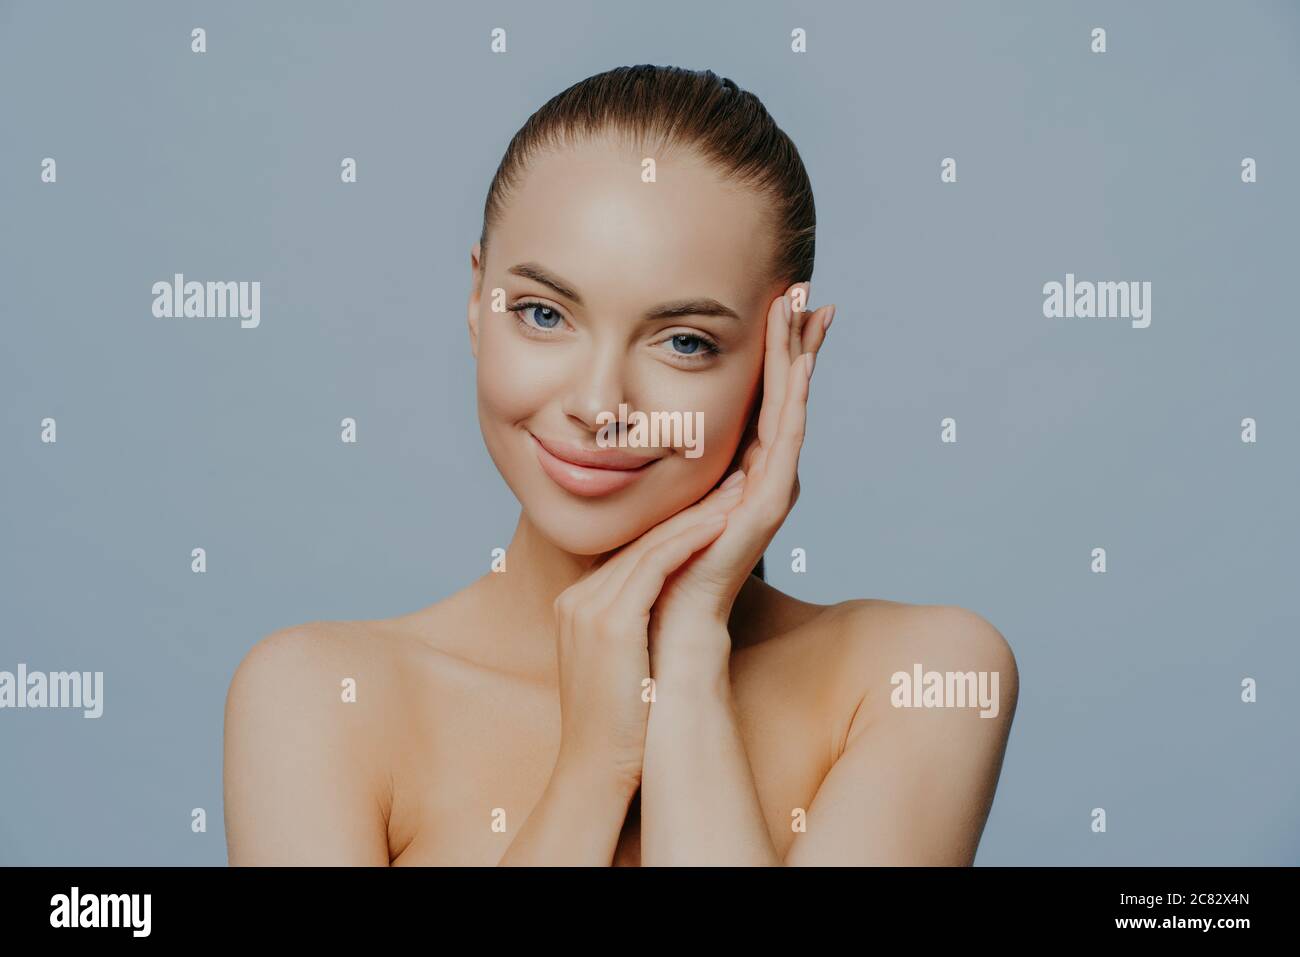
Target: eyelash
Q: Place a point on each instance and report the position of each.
(708, 347)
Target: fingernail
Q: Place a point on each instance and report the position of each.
(733, 480)
(811, 358)
(826, 323)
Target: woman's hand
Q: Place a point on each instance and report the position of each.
(603, 631)
(697, 601)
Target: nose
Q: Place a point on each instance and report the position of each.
(598, 384)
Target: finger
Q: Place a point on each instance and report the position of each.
(798, 319)
(781, 463)
(814, 330)
(771, 481)
(776, 362)
(615, 572)
(641, 589)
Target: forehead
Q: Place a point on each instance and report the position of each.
(584, 213)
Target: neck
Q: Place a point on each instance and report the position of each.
(537, 569)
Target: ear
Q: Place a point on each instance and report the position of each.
(475, 291)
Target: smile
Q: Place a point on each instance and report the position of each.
(589, 472)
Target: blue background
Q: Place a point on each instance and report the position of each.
(1072, 434)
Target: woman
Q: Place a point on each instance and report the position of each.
(621, 689)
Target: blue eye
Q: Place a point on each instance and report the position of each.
(548, 321)
(696, 347)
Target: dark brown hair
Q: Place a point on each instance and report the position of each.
(672, 106)
(668, 107)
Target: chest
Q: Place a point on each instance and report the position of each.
(478, 767)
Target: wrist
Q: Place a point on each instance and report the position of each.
(603, 780)
(692, 682)
(694, 652)
(695, 612)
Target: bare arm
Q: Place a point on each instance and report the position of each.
(910, 787)
(914, 786)
(301, 786)
(576, 823)
(699, 805)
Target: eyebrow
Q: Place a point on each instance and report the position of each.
(673, 309)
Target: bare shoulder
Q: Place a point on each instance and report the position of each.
(371, 653)
(850, 656)
(294, 666)
(877, 630)
(306, 778)
(921, 699)
(306, 670)
(888, 644)
(872, 626)
(341, 682)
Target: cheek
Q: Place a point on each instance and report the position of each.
(725, 422)
(511, 385)
(513, 381)
(723, 403)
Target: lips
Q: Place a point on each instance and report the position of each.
(589, 472)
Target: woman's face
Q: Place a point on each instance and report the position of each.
(568, 324)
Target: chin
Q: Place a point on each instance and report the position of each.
(592, 529)
(592, 540)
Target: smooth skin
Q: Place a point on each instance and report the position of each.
(624, 692)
